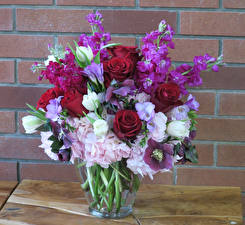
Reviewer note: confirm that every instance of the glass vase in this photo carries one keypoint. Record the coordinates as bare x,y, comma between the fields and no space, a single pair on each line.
111,191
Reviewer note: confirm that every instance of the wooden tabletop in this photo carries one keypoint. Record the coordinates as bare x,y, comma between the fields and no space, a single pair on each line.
6,188
56,203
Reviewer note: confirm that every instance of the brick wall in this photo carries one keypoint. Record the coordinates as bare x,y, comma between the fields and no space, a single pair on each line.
213,26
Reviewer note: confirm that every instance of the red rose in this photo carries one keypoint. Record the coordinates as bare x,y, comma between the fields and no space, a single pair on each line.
72,101
127,124
129,52
49,95
122,64
118,68
166,97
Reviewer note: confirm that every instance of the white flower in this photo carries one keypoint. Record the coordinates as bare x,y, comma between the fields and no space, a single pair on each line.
90,101
178,129
82,51
159,123
51,58
100,127
31,123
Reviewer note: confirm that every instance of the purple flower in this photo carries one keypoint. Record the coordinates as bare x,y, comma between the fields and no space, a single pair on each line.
179,113
123,91
192,103
94,72
215,68
95,19
64,155
159,156
54,109
145,110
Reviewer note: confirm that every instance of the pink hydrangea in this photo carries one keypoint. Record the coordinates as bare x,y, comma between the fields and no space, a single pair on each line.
88,147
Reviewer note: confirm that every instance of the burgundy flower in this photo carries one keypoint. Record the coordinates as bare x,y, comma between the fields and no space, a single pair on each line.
127,124
50,94
72,101
166,97
159,156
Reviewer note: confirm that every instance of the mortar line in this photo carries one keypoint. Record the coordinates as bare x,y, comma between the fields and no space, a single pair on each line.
215,154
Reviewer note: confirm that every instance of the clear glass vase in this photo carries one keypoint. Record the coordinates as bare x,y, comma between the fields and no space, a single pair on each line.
110,192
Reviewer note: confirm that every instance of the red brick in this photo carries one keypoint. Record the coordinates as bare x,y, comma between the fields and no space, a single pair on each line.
211,177
53,172
205,155
24,46
180,3
213,23
227,78
6,19
55,20
233,4
8,171
192,47
206,101
134,22
26,2
97,2
128,41
7,71
10,99
232,104
234,51
159,178
7,122
26,76
221,129
21,148
231,155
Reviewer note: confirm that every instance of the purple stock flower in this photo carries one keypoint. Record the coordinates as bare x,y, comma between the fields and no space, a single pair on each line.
145,110
179,113
159,156
54,109
192,103
94,71
95,19
123,91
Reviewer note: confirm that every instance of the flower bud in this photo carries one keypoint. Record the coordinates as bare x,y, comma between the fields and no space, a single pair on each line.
162,26
90,101
178,129
82,51
31,123
100,127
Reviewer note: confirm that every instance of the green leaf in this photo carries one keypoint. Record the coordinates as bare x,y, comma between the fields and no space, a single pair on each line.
56,145
45,127
176,149
97,57
191,154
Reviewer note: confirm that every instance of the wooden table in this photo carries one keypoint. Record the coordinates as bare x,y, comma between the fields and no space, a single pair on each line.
63,203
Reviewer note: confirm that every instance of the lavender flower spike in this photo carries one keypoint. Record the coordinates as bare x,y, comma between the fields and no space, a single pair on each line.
192,103
145,110
94,71
54,109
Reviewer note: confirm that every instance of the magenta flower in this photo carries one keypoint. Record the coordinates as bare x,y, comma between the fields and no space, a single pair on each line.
159,156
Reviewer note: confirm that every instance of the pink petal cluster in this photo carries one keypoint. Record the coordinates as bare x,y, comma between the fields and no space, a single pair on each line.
46,145
88,147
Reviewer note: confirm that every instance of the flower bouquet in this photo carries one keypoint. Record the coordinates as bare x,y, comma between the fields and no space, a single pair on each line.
119,113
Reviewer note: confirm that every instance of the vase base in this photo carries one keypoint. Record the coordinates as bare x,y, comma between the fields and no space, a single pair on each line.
124,211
